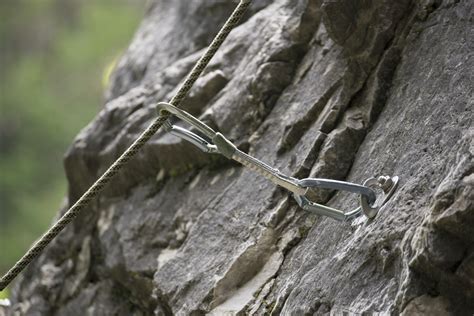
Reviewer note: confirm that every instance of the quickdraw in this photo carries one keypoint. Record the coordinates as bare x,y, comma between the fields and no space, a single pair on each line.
215,143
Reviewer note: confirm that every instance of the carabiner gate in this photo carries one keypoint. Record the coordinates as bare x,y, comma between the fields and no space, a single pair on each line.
369,204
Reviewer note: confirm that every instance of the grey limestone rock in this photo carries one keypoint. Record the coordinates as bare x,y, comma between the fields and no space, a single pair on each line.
337,89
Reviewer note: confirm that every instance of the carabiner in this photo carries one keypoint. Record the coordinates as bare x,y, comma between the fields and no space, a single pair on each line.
217,143
191,137
306,204
368,198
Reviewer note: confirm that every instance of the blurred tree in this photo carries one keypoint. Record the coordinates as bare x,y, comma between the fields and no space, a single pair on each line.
52,55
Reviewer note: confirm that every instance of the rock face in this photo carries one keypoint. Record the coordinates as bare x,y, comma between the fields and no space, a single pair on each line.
335,89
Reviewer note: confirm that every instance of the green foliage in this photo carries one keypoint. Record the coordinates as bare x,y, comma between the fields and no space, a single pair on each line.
48,92
4,294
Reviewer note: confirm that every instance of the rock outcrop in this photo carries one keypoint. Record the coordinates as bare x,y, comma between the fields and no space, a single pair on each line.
335,89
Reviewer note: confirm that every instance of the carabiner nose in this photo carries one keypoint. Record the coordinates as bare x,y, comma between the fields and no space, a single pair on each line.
188,118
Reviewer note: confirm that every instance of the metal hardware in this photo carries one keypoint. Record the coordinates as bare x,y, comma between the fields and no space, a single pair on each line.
226,148
217,143
369,203
366,193
385,183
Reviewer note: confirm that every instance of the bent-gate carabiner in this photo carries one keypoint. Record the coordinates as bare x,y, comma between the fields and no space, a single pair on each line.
226,148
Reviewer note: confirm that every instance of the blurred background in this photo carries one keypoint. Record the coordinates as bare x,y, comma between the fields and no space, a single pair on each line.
55,60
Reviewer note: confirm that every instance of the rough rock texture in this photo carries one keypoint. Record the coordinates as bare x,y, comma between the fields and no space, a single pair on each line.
338,89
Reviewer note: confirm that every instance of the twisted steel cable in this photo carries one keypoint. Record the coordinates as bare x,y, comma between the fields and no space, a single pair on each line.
99,185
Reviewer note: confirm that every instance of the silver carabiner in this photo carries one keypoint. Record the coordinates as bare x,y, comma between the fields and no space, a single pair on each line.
217,143
368,197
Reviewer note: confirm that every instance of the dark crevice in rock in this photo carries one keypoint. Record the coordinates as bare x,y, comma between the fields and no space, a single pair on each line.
295,131
363,109
162,308
171,43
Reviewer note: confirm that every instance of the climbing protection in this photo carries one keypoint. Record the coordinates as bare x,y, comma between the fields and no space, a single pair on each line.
214,142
